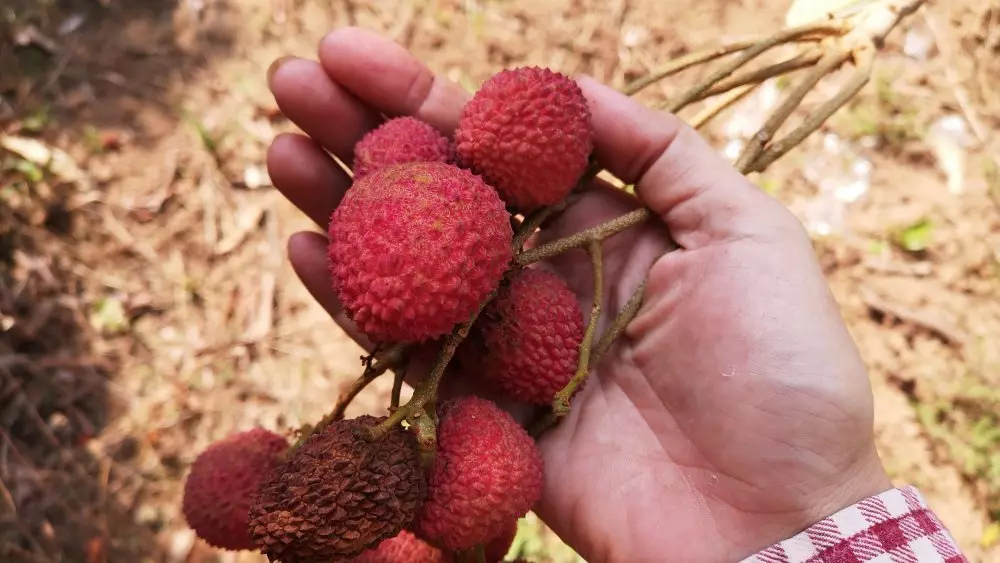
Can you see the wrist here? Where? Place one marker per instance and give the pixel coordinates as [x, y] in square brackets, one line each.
[864, 478]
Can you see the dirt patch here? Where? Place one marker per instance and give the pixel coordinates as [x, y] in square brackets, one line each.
[148, 308]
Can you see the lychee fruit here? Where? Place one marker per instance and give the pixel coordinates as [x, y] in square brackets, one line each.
[223, 482]
[487, 472]
[338, 495]
[528, 131]
[402, 548]
[526, 343]
[398, 141]
[497, 548]
[415, 248]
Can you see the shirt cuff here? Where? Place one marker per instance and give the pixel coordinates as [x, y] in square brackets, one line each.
[890, 527]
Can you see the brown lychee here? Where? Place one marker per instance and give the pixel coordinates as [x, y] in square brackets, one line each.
[223, 482]
[415, 248]
[487, 471]
[338, 495]
[400, 140]
[526, 343]
[528, 131]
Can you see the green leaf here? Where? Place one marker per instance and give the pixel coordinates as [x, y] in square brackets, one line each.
[916, 237]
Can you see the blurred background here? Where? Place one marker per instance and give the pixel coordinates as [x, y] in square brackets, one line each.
[147, 308]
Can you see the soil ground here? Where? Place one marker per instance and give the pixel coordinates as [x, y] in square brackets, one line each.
[146, 306]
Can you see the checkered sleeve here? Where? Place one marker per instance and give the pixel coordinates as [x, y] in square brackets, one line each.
[896, 526]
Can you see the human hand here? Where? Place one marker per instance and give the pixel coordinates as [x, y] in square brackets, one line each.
[733, 413]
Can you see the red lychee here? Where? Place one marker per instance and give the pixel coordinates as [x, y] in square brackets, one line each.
[223, 482]
[487, 472]
[403, 548]
[415, 248]
[526, 343]
[497, 548]
[528, 131]
[400, 140]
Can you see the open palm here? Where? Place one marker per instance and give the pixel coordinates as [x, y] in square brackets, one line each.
[735, 411]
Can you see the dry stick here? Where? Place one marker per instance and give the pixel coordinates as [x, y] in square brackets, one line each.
[583, 238]
[776, 150]
[393, 357]
[789, 35]
[831, 60]
[691, 59]
[720, 105]
[802, 60]
[560, 404]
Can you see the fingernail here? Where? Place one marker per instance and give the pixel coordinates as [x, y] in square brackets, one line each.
[271, 70]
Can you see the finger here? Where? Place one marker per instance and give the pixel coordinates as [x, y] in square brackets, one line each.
[389, 78]
[677, 174]
[307, 253]
[306, 175]
[323, 109]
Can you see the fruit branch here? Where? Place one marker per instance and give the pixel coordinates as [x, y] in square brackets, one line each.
[804, 59]
[583, 238]
[560, 404]
[426, 391]
[856, 36]
[618, 326]
[804, 33]
[698, 91]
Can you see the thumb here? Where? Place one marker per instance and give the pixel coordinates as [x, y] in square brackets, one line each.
[676, 173]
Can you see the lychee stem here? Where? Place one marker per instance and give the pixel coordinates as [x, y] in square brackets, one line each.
[426, 390]
[397, 388]
[618, 326]
[810, 32]
[392, 358]
[560, 404]
[426, 431]
[583, 238]
[804, 59]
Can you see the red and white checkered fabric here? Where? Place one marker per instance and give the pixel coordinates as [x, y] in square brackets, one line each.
[896, 526]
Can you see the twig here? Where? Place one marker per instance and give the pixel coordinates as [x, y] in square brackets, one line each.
[426, 391]
[621, 322]
[720, 105]
[777, 149]
[583, 238]
[831, 60]
[560, 404]
[689, 60]
[397, 389]
[684, 62]
[394, 357]
[789, 35]
[802, 60]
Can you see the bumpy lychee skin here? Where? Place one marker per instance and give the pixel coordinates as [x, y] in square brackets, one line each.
[222, 483]
[400, 140]
[528, 131]
[338, 495]
[526, 343]
[415, 248]
[403, 548]
[487, 471]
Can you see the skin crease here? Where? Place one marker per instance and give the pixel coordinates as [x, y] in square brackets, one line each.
[735, 412]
